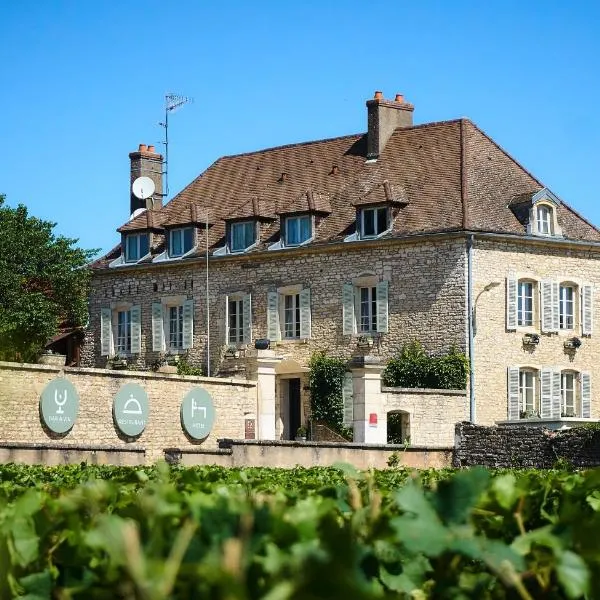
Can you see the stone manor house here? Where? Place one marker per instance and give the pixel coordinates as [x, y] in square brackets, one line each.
[428, 232]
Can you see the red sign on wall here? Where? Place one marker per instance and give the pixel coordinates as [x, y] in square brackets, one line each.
[373, 420]
[250, 429]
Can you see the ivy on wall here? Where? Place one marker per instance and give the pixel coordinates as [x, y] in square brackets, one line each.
[414, 368]
[326, 375]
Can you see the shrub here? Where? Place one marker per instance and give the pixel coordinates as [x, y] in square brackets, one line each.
[414, 368]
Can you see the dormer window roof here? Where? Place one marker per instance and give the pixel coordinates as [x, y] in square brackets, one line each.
[538, 210]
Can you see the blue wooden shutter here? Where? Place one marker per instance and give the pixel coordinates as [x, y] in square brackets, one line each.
[273, 330]
[305, 313]
[514, 409]
[382, 306]
[158, 338]
[105, 331]
[586, 395]
[247, 316]
[136, 329]
[188, 324]
[348, 308]
[546, 393]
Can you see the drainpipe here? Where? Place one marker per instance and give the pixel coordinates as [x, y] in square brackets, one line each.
[470, 322]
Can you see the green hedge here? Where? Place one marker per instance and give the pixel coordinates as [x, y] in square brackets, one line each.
[414, 368]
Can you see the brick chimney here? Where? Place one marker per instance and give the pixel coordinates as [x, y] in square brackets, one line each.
[384, 116]
[146, 162]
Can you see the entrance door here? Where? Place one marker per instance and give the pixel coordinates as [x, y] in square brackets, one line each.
[294, 414]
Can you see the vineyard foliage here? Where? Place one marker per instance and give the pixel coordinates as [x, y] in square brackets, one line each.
[158, 533]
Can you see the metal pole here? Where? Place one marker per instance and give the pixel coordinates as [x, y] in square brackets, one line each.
[470, 322]
[207, 306]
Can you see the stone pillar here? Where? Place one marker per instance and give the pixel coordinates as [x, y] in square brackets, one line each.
[266, 363]
[370, 419]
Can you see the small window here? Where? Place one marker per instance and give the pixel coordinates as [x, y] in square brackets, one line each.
[241, 236]
[123, 332]
[368, 310]
[567, 392]
[373, 222]
[291, 316]
[525, 304]
[136, 246]
[181, 241]
[236, 321]
[297, 230]
[567, 307]
[176, 327]
[527, 394]
[544, 220]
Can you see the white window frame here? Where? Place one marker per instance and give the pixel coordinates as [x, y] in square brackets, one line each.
[544, 219]
[178, 333]
[374, 209]
[297, 219]
[294, 311]
[232, 226]
[239, 317]
[138, 237]
[574, 377]
[118, 335]
[168, 303]
[521, 297]
[524, 373]
[180, 231]
[371, 312]
[564, 303]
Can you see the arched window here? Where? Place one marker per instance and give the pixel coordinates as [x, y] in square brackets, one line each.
[544, 218]
[528, 393]
[568, 393]
[567, 299]
[525, 303]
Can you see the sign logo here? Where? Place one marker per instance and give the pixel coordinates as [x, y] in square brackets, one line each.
[130, 409]
[197, 413]
[59, 405]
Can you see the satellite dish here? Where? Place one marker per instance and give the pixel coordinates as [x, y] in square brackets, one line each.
[136, 212]
[143, 187]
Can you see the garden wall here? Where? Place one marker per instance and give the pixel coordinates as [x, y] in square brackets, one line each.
[529, 447]
[94, 436]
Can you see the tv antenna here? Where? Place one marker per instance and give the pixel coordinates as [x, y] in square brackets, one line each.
[172, 103]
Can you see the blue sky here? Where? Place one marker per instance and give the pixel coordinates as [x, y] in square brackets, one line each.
[83, 83]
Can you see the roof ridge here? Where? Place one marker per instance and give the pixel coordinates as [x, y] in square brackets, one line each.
[294, 145]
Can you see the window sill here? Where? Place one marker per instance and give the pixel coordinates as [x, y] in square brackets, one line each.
[291, 341]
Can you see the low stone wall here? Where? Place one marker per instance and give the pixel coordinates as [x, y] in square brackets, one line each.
[527, 447]
[433, 413]
[284, 454]
[22, 384]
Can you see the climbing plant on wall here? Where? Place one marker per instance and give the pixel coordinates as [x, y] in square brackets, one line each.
[326, 376]
[414, 368]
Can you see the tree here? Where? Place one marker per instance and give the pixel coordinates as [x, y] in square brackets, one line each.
[43, 282]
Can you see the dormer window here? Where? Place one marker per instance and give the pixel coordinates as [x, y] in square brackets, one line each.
[544, 219]
[181, 241]
[297, 230]
[242, 235]
[136, 246]
[373, 221]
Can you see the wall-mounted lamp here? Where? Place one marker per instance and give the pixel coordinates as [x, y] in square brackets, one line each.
[531, 339]
[262, 344]
[572, 343]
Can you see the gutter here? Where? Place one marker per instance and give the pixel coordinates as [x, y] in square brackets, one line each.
[472, 407]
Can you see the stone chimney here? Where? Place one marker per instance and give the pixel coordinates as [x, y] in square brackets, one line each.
[146, 162]
[384, 116]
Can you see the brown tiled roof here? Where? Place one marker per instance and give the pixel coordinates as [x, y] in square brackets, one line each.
[445, 176]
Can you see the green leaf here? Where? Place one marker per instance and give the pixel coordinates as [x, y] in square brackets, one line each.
[506, 490]
[37, 586]
[25, 540]
[573, 574]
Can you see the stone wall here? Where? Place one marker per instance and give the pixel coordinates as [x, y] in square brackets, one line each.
[496, 348]
[432, 413]
[21, 386]
[426, 296]
[530, 447]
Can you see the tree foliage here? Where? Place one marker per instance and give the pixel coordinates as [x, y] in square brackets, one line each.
[326, 376]
[42, 282]
[414, 368]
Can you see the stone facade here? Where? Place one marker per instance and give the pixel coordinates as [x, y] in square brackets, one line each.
[497, 348]
[427, 297]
